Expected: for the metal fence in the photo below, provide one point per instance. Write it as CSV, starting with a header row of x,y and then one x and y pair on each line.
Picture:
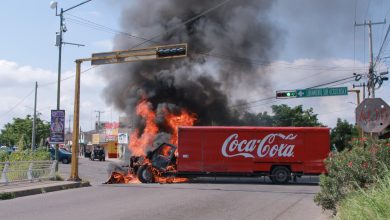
x,y
26,171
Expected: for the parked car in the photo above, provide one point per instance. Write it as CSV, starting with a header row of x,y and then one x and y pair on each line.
x,y
9,150
98,153
63,156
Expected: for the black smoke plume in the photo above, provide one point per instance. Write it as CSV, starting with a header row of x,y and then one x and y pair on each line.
x,y
216,69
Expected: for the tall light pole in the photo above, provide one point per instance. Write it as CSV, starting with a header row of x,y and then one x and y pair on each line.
x,y
59,43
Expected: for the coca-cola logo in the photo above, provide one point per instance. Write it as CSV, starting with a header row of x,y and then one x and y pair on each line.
x,y
266,147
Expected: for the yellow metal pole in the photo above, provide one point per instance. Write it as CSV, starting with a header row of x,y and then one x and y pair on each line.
x,y
74,172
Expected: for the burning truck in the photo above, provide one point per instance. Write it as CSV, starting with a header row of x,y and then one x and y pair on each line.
x,y
211,86
281,153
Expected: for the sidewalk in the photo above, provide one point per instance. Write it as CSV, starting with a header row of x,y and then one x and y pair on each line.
x,y
26,189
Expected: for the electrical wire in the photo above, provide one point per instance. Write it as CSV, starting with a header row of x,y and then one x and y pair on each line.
x,y
96,26
182,24
17,104
248,105
384,45
66,78
332,82
236,59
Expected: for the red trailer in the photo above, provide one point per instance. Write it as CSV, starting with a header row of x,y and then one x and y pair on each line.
x,y
252,151
281,153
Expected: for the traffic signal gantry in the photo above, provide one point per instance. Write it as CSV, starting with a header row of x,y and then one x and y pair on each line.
x,y
113,57
285,94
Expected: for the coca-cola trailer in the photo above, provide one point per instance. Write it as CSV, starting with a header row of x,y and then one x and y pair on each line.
x,y
282,153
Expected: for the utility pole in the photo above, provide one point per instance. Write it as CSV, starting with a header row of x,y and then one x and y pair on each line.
x,y
34,119
98,118
69,118
357,91
59,43
364,88
371,77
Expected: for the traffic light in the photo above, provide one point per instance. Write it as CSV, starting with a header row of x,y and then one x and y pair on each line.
x,y
172,51
286,94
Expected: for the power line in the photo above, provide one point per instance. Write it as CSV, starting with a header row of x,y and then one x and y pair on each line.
x,y
251,102
288,66
182,23
102,27
245,105
69,77
96,26
384,44
237,59
17,104
332,82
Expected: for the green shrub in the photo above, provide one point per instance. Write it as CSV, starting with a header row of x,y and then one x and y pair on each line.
x,y
40,154
3,156
351,170
6,195
368,204
28,155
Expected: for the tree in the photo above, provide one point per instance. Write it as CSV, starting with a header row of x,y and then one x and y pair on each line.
x,y
283,115
342,134
20,130
264,119
296,116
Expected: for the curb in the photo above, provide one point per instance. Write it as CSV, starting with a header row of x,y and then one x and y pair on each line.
x,y
45,189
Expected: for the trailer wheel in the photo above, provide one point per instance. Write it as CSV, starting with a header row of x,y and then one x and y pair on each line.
x,y
145,174
280,175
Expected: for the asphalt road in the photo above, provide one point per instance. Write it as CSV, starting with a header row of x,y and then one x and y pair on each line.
x,y
170,201
93,171
207,198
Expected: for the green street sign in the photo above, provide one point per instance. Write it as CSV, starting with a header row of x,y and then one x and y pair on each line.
x,y
334,91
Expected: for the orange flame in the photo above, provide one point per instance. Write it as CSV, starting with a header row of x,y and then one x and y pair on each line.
x,y
121,178
138,144
170,179
174,121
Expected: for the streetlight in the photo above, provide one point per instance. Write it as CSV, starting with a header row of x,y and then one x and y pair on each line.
x,y
59,43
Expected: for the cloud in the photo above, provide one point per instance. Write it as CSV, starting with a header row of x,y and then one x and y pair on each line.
x,y
17,88
105,45
11,73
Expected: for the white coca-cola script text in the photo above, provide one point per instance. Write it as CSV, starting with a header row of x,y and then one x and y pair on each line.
x,y
266,147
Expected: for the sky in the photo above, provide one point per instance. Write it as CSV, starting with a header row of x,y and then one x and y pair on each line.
x,y
319,44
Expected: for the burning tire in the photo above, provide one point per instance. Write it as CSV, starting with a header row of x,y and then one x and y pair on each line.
x,y
280,175
145,174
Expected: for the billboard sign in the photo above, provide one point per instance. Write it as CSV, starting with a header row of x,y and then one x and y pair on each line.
x,y
111,131
57,127
95,138
123,138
